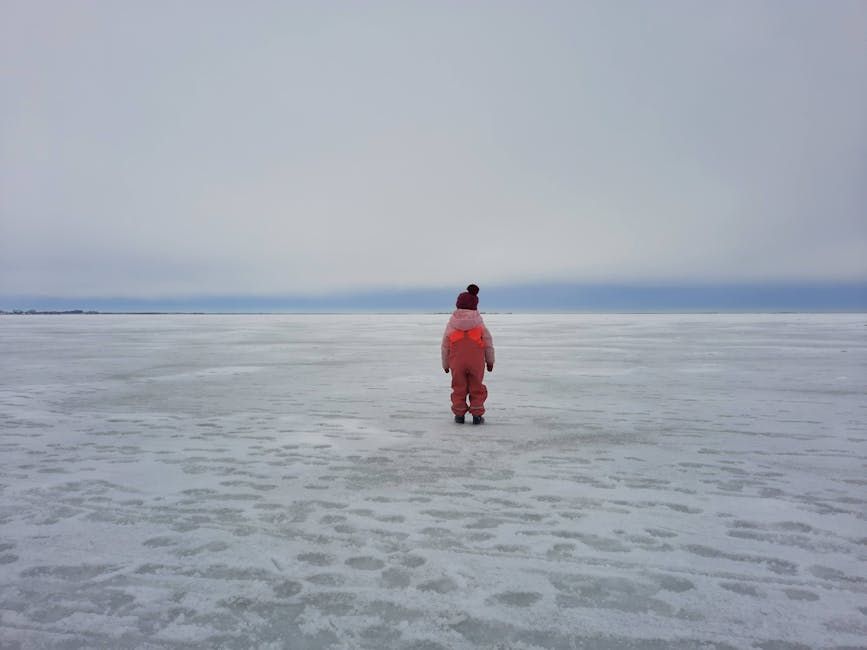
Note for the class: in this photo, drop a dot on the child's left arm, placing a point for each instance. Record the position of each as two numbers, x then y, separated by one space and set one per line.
489 349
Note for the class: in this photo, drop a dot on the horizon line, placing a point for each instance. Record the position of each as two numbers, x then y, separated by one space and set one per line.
560 297
564 312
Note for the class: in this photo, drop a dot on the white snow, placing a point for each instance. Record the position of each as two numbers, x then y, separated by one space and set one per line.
643 481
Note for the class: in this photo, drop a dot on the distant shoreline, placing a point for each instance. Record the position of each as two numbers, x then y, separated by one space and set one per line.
838 297
81 312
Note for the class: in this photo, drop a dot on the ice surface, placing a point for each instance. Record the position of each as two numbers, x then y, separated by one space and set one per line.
297 482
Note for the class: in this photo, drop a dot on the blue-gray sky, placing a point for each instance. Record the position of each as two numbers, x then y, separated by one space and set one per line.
158 149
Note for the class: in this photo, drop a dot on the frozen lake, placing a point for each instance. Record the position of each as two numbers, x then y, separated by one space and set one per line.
644 481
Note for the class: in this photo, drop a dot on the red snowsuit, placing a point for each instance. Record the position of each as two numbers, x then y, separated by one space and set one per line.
466 348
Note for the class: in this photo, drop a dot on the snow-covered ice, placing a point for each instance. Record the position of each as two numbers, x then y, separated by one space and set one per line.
643 481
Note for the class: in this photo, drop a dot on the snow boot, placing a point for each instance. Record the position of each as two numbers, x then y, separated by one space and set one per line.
478 419
459 419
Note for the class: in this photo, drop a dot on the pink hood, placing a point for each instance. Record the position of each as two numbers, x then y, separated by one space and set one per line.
463 320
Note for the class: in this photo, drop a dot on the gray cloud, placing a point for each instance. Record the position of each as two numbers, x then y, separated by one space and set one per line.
170 148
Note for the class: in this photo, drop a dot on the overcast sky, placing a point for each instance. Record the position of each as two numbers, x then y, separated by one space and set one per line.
175 148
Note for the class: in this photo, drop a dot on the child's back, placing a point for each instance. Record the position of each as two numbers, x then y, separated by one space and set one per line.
467 348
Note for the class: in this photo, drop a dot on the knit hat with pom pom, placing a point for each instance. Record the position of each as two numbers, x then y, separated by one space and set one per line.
469 299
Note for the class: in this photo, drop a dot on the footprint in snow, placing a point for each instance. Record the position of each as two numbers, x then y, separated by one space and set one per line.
441 586
800 594
316 559
365 563
327 579
517 598
742 589
396 578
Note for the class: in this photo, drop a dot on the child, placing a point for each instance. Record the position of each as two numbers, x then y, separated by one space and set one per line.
467 347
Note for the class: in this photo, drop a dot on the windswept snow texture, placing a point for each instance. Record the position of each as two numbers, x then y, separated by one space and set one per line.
646 481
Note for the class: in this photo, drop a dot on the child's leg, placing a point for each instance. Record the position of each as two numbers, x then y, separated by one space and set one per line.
478 391
460 389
